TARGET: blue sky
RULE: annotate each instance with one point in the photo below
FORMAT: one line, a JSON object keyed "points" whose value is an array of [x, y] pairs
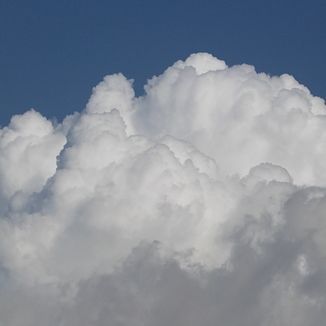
{"points": [[54, 52]]}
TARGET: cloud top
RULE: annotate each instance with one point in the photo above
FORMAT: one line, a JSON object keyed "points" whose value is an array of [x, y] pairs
{"points": [[238, 117]]}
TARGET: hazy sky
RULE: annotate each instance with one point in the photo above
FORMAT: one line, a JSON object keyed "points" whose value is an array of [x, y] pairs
{"points": [[53, 52]]}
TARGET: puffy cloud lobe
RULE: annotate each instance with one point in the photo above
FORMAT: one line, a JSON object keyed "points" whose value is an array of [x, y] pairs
{"points": [[114, 92], [21, 143], [238, 117], [184, 206]]}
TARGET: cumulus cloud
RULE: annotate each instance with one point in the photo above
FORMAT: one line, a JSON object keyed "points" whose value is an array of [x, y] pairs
{"points": [[200, 203]]}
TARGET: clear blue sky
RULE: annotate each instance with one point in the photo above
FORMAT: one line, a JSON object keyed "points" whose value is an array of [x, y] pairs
{"points": [[53, 51]]}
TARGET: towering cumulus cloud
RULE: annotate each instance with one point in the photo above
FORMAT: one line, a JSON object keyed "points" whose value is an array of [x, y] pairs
{"points": [[200, 203]]}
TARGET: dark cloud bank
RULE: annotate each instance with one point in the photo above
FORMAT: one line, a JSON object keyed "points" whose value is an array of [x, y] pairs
{"points": [[201, 203]]}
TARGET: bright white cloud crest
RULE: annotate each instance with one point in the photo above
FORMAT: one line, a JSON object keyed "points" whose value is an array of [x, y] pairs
{"points": [[200, 203]]}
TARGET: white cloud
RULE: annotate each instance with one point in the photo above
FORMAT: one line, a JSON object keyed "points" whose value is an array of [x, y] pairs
{"points": [[29, 147], [238, 117], [186, 206]]}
